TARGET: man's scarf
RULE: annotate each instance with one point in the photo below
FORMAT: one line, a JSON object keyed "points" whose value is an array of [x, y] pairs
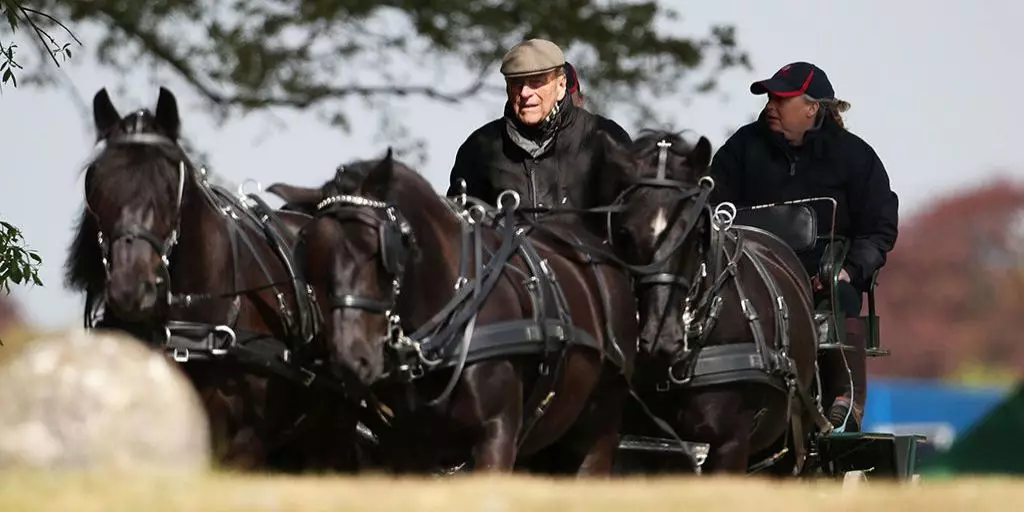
{"points": [[536, 139]]}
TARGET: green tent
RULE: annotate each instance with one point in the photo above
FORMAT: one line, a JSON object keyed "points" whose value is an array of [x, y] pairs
{"points": [[993, 445]]}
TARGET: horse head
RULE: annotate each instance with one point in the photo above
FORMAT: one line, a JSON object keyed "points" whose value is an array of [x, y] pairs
{"points": [[663, 186], [354, 252], [134, 191]]}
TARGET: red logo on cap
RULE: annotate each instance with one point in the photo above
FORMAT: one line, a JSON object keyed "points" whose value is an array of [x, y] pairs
{"points": [[784, 71]]}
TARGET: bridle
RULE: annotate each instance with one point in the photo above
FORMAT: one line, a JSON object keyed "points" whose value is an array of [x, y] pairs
{"points": [[162, 246], [656, 273], [393, 239]]}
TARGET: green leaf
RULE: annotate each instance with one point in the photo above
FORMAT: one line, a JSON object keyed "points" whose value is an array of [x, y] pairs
{"points": [[12, 18], [8, 75]]}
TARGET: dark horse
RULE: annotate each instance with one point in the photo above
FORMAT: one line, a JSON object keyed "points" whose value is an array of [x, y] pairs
{"points": [[728, 338], [186, 266], [483, 344]]}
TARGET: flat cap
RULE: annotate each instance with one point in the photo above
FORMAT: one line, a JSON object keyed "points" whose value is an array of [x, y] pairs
{"points": [[532, 57]]}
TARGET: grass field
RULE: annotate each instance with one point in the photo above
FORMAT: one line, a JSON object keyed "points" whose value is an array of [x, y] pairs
{"points": [[222, 492]]}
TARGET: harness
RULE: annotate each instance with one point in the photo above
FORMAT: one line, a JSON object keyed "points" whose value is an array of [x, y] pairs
{"points": [[452, 338], [246, 218], [433, 344], [767, 360]]}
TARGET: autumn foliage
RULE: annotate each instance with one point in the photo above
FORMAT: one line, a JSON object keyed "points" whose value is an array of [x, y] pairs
{"points": [[951, 296]]}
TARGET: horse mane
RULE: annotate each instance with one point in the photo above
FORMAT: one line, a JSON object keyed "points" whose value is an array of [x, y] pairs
{"points": [[406, 186], [122, 174]]}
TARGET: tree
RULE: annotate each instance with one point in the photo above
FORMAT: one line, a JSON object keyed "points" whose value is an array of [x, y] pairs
{"points": [[247, 56], [951, 294], [20, 17], [19, 265]]}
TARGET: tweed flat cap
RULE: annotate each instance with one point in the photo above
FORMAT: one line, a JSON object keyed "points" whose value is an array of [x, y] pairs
{"points": [[531, 58]]}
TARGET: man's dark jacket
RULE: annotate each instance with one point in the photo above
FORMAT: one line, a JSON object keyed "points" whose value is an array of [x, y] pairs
{"points": [[564, 174], [758, 166]]}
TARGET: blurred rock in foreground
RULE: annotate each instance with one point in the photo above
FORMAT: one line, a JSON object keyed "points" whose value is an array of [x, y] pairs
{"points": [[98, 400]]}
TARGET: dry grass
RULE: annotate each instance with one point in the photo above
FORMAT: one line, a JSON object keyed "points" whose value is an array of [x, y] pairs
{"points": [[222, 492]]}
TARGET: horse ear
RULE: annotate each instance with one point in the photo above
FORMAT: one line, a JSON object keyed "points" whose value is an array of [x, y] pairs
{"points": [[104, 115], [167, 113], [302, 198], [700, 157], [378, 181]]}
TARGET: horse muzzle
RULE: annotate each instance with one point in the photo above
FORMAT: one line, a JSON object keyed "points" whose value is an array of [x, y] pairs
{"points": [[133, 299]]}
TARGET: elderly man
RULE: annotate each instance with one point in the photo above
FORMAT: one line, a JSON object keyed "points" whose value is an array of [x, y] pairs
{"points": [[544, 147]]}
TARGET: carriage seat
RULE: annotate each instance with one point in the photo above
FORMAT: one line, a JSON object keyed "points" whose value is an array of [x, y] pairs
{"points": [[795, 224]]}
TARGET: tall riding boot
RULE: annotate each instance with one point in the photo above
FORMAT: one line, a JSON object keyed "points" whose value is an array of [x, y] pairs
{"points": [[856, 359]]}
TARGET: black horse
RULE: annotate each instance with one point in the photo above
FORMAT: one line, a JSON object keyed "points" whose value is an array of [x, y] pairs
{"points": [[728, 338], [189, 267], [482, 343]]}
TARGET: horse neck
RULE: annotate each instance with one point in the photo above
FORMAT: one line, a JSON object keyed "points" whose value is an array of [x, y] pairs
{"points": [[430, 276], [202, 261]]}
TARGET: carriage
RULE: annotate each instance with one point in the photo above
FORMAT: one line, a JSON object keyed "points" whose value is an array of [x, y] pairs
{"points": [[837, 453]]}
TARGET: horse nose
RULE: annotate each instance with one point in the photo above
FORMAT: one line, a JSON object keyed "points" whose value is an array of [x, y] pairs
{"points": [[361, 362], [645, 344], [680, 346]]}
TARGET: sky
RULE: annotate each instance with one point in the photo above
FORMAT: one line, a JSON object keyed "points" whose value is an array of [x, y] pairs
{"points": [[931, 88]]}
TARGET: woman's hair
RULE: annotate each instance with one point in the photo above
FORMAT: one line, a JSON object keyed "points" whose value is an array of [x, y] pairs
{"points": [[573, 84], [833, 108]]}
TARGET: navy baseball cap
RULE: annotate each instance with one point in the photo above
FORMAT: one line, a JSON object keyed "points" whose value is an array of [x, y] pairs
{"points": [[795, 79]]}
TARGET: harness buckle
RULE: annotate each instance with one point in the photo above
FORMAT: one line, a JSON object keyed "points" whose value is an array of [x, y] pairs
{"points": [[230, 333], [180, 355], [543, 369], [748, 310]]}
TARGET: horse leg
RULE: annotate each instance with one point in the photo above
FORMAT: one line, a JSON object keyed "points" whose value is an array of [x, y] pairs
{"points": [[579, 429], [246, 449], [725, 420], [604, 417], [491, 398]]}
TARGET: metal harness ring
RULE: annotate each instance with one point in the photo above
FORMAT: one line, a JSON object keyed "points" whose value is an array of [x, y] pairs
{"points": [[723, 216]]}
